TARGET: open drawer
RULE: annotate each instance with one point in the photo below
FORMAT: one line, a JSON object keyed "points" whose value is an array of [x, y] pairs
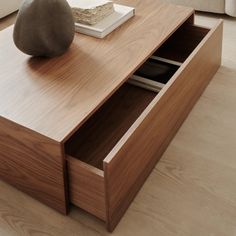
{"points": [[112, 154]]}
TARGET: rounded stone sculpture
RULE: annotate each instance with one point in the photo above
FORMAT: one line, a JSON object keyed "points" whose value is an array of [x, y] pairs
{"points": [[44, 27]]}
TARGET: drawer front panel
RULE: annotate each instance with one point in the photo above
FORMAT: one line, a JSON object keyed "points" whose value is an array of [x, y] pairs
{"points": [[132, 159], [86, 185]]}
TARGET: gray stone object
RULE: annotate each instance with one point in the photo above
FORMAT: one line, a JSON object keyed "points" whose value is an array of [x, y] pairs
{"points": [[44, 27]]}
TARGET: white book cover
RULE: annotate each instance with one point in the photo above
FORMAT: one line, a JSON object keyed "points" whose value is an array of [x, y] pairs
{"points": [[107, 25]]}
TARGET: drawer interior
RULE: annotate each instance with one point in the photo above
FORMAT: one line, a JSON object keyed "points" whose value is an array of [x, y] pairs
{"points": [[96, 138], [182, 43]]}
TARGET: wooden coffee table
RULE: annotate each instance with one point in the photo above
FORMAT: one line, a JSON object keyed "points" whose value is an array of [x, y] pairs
{"points": [[76, 129]]}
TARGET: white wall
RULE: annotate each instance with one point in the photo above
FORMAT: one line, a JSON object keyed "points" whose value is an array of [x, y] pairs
{"points": [[8, 6]]}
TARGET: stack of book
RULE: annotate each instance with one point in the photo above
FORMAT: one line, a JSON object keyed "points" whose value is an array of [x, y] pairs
{"points": [[90, 12], [98, 18]]}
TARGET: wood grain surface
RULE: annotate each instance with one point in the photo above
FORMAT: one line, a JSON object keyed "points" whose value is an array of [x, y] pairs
{"points": [[33, 164], [133, 158], [55, 96]]}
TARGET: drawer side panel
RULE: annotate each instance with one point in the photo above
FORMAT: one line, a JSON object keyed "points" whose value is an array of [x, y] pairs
{"points": [[133, 158], [86, 184]]}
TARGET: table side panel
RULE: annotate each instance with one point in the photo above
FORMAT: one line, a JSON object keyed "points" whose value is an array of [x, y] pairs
{"points": [[34, 164]]}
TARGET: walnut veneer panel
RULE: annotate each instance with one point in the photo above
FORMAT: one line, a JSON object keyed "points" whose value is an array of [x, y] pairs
{"points": [[55, 96], [130, 162], [33, 164]]}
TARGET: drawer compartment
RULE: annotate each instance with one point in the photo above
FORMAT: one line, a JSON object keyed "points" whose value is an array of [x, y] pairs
{"points": [[88, 147], [114, 151]]}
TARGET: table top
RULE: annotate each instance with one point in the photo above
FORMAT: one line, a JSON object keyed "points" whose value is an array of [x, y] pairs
{"points": [[54, 97]]}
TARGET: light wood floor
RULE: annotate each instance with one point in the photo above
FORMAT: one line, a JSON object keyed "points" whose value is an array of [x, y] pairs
{"points": [[192, 190]]}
